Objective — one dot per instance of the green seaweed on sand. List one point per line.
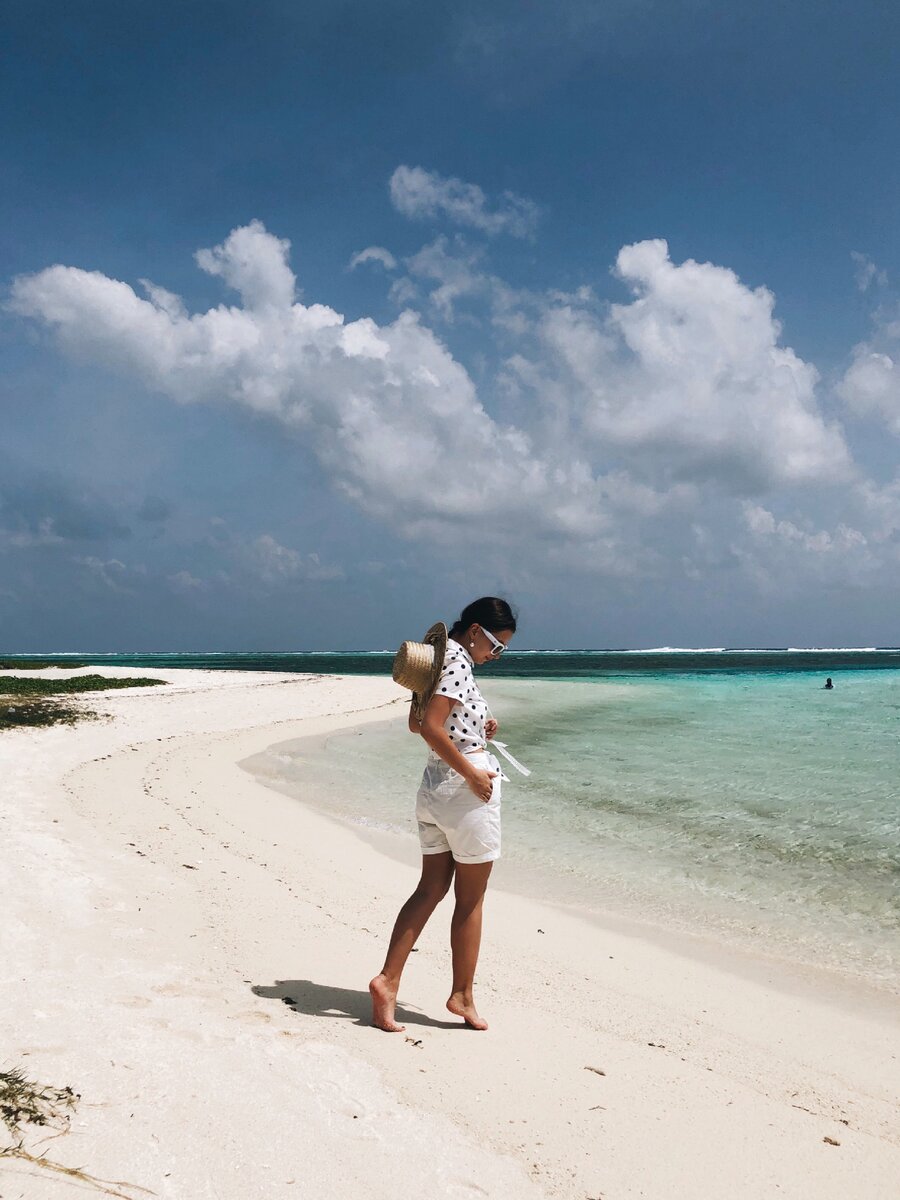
(13, 685)
(26, 1107)
(39, 713)
(23, 701)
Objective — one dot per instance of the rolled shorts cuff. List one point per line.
(474, 860)
(458, 858)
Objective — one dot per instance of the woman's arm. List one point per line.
(437, 737)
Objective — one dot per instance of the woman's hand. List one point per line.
(490, 728)
(482, 783)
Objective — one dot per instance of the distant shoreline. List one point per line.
(537, 664)
(88, 654)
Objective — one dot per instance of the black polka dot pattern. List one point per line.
(465, 724)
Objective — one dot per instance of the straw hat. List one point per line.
(417, 666)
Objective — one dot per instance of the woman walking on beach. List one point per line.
(458, 803)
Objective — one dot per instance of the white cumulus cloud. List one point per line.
(620, 421)
(393, 417)
(784, 555)
(866, 272)
(112, 574)
(762, 523)
(254, 264)
(871, 386)
(272, 562)
(690, 379)
(426, 195)
(374, 254)
(186, 583)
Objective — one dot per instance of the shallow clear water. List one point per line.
(755, 807)
(720, 791)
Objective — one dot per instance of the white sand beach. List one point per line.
(161, 907)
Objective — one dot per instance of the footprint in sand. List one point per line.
(259, 1018)
(180, 989)
(189, 1035)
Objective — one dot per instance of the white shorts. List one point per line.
(451, 817)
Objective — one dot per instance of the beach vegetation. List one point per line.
(15, 714)
(27, 1109)
(27, 702)
(12, 685)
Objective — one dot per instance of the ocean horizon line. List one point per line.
(510, 653)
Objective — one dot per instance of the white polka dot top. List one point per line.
(465, 725)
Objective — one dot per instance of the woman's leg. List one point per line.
(437, 873)
(465, 938)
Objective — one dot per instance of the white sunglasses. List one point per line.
(497, 647)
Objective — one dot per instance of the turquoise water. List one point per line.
(713, 791)
(515, 664)
(753, 807)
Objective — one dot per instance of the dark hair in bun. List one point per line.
(489, 612)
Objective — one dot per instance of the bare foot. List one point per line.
(384, 997)
(460, 1007)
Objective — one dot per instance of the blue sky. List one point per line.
(529, 393)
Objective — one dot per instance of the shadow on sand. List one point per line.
(319, 1000)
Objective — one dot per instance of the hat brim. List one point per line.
(436, 636)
